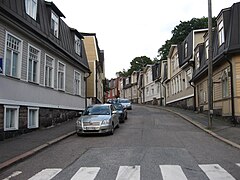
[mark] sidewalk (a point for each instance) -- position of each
(221, 128)
(16, 149)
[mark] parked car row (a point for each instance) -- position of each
(101, 119)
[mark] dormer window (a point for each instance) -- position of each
(220, 33)
(31, 8)
(185, 49)
(54, 24)
(77, 45)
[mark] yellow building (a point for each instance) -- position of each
(95, 58)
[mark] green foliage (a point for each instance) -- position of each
(180, 32)
(137, 64)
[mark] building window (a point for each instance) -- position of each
(61, 76)
(207, 48)
(31, 8)
(11, 117)
(188, 77)
(33, 117)
(220, 33)
(147, 89)
(77, 45)
(185, 49)
(77, 83)
(197, 60)
(13, 53)
(54, 24)
(225, 84)
(33, 64)
(49, 71)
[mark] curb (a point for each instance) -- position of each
(202, 128)
(33, 151)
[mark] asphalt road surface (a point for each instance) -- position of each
(151, 144)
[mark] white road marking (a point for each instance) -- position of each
(46, 174)
(216, 172)
(14, 174)
(86, 173)
(172, 172)
(128, 173)
(238, 164)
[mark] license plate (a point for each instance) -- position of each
(92, 128)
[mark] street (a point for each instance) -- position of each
(151, 144)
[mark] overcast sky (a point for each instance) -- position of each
(127, 29)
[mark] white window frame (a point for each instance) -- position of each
(64, 75)
(38, 65)
(55, 24)
(53, 71)
(36, 118)
(207, 48)
(16, 118)
(31, 8)
(221, 37)
(79, 93)
(185, 49)
(197, 60)
(188, 77)
(19, 59)
(78, 45)
(225, 84)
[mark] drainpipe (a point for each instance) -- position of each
(96, 81)
(85, 79)
(232, 91)
(165, 89)
(194, 96)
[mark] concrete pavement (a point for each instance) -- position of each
(16, 149)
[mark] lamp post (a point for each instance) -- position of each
(210, 68)
(86, 75)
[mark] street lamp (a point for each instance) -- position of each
(86, 75)
(210, 68)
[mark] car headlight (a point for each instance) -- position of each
(105, 122)
(79, 122)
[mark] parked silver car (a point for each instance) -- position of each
(126, 103)
(99, 118)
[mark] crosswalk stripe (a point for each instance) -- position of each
(46, 174)
(86, 173)
(172, 172)
(216, 172)
(238, 164)
(128, 173)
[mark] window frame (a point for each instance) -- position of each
(221, 37)
(78, 45)
(80, 85)
(64, 75)
(38, 65)
(36, 120)
(56, 23)
(53, 71)
(16, 118)
(30, 9)
(225, 84)
(19, 58)
(185, 49)
(188, 79)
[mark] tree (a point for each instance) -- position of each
(180, 32)
(137, 64)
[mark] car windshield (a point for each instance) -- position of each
(97, 110)
(124, 101)
(118, 106)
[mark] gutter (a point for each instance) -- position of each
(234, 121)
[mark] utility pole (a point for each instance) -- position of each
(210, 66)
